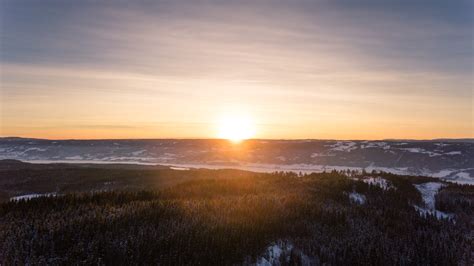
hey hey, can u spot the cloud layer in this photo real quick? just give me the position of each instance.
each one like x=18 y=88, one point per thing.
x=303 y=69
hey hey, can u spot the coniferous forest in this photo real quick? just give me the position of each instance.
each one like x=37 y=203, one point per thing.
x=254 y=133
x=227 y=217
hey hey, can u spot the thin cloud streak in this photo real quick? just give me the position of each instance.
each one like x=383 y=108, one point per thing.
x=312 y=64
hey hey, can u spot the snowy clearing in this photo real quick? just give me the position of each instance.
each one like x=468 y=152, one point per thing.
x=378 y=181
x=357 y=198
x=428 y=192
x=273 y=253
x=279 y=254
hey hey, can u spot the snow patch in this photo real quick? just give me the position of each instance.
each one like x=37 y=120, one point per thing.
x=454 y=153
x=428 y=192
x=273 y=253
x=421 y=150
x=379 y=182
x=442 y=173
x=179 y=168
x=463 y=178
x=101 y=161
x=381 y=145
x=32 y=196
x=167 y=156
x=279 y=254
x=316 y=154
x=136 y=153
x=34 y=149
x=440 y=144
x=76 y=157
x=346 y=146
x=357 y=198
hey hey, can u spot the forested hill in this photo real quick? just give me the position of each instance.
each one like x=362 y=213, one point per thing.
x=451 y=160
x=227 y=217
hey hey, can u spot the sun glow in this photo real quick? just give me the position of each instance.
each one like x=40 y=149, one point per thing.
x=236 y=128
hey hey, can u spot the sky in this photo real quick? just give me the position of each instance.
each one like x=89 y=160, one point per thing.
x=300 y=69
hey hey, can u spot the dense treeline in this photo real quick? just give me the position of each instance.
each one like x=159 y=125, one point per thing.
x=19 y=178
x=232 y=220
x=456 y=198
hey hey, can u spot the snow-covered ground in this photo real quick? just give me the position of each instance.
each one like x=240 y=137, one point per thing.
x=88 y=162
x=273 y=253
x=378 y=181
x=346 y=146
x=448 y=160
x=462 y=178
x=428 y=192
x=375 y=144
x=420 y=150
x=279 y=252
x=357 y=198
x=179 y=168
x=34 y=149
x=454 y=153
x=32 y=196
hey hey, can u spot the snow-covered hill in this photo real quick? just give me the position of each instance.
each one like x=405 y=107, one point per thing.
x=452 y=160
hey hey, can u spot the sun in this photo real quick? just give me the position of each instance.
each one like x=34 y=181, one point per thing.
x=236 y=128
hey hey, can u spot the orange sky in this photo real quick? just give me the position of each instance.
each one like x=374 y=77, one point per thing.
x=320 y=70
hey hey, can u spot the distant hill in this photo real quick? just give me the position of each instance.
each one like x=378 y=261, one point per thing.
x=450 y=159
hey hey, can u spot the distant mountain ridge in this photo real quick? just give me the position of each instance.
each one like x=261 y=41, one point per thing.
x=138 y=139
x=450 y=159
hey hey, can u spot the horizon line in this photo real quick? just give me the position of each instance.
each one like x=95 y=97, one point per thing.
x=250 y=139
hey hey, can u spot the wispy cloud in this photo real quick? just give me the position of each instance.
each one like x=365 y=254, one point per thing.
x=311 y=63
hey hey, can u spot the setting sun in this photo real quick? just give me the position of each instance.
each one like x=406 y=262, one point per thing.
x=236 y=128
x=237 y=132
